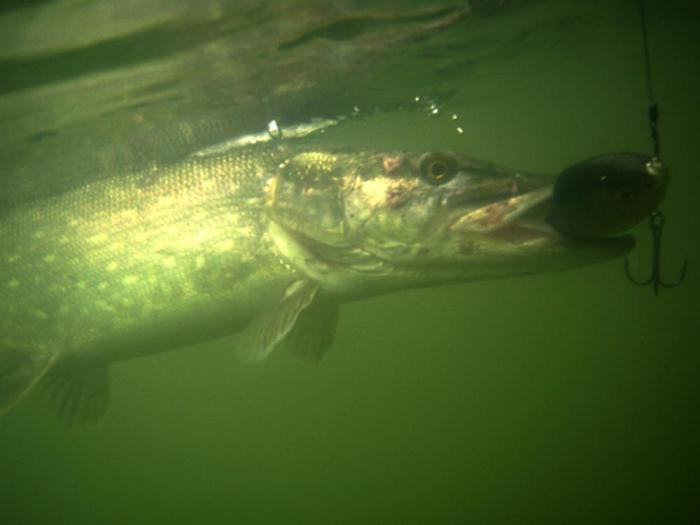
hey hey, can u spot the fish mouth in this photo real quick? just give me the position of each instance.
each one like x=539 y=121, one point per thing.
x=507 y=215
x=521 y=220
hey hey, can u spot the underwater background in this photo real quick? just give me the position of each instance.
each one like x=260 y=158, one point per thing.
x=557 y=398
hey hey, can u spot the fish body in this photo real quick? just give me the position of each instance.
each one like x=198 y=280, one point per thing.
x=265 y=240
x=165 y=255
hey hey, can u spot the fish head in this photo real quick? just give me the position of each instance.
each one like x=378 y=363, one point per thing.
x=419 y=219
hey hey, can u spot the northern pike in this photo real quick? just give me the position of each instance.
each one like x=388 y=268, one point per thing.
x=267 y=240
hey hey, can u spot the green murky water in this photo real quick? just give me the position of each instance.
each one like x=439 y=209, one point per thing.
x=561 y=398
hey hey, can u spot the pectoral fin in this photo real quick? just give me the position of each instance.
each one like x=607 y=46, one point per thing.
x=314 y=330
x=79 y=391
x=20 y=370
x=271 y=326
x=301 y=319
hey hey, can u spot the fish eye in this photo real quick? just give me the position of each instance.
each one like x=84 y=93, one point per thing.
x=437 y=168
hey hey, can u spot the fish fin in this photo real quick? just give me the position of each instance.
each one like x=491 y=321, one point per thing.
x=79 y=391
x=20 y=370
x=313 y=333
x=266 y=331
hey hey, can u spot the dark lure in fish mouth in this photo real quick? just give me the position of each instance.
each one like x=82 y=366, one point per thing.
x=526 y=225
x=606 y=195
x=590 y=203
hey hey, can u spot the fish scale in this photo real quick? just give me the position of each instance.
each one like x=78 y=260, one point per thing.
x=124 y=249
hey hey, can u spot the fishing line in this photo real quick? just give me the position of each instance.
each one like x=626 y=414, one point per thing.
x=653 y=105
x=657 y=219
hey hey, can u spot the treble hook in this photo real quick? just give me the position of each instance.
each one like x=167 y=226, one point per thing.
x=656 y=223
